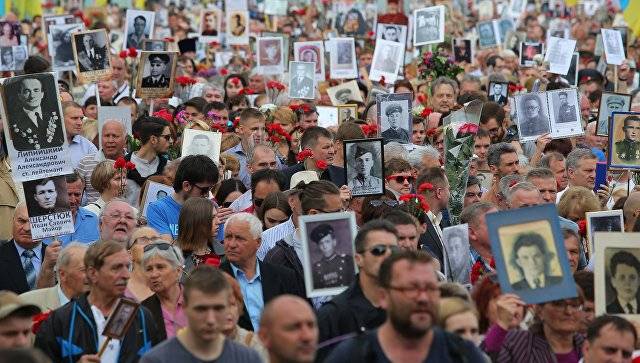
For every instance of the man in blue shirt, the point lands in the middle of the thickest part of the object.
(79, 146)
(195, 177)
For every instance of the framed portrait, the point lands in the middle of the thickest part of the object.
(10, 34)
(505, 26)
(528, 51)
(121, 318)
(457, 253)
(529, 252)
(27, 131)
(347, 112)
(198, 142)
(152, 192)
(488, 34)
(394, 117)
(48, 20)
(624, 33)
(344, 93)
(48, 207)
(352, 20)
(327, 116)
(610, 102)
(237, 23)
(616, 274)
(270, 59)
(155, 74)
(604, 221)
(210, 25)
(428, 25)
(328, 252)
(392, 32)
(564, 113)
(311, 52)
(302, 81)
(91, 54)
(139, 26)
(463, 50)
(387, 58)
(286, 40)
(533, 119)
(624, 140)
(364, 166)
(60, 47)
(342, 58)
(498, 92)
(12, 58)
(155, 45)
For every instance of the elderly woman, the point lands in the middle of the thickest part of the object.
(137, 288)
(230, 326)
(162, 264)
(109, 182)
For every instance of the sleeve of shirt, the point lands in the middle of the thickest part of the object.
(156, 220)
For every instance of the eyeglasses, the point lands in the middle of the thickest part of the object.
(563, 304)
(203, 190)
(401, 178)
(379, 202)
(379, 250)
(164, 246)
(414, 291)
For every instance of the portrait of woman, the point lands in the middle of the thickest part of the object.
(238, 26)
(9, 35)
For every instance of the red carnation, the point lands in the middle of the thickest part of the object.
(370, 33)
(164, 114)
(38, 319)
(120, 163)
(212, 261)
(224, 71)
(169, 39)
(321, 164)
(133, 52)
(304, 154)
(468, 128)
(582, 227)
(123, 54)
(426, 112)
(235, 81)
(214, 44)
(421, 98)
(432, 132)
(300, 12)
(424, 187)
(129, 165)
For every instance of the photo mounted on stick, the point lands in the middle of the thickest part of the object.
(91, 53)
(609, 103)
(302, 82)
(60, 47)
(155, 74)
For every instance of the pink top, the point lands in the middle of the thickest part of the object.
(174, 321)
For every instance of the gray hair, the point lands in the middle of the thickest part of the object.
(468, 78)
(210, 86)
(255, 225)
(578, 154)
(113, 120)
(173, 255)
(496, 150)
(471, 213)
(114, 200)
(415, 156)
(252, 153)
(545, 161)
(65, 256)
(541, 173)
(442, 80)
(395, 150)
(506, 182)
(498, 78)
(525, 185)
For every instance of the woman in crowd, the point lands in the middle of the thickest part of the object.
(137, 285)
(576, 201)
(232, 85)
(458, 316)
(486, 294)
(229, 191)
(287, 119)
(197, 227)
(162, 264)
(109, 182)
(274, 210)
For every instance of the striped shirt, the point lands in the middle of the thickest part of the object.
(273, 235)
(85, 168)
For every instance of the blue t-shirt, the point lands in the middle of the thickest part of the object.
(163, 214)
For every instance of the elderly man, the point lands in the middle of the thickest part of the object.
(81, 322)
(118, 75)
(479, 245)
(117, 221)
(112, 142)
(72, 282)
(288, 330)
(260, 281)
(523, 194)
(444, 91)
(581, 170)
(15, 321)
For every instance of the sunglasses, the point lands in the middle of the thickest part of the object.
(401, 178)
(379, 202)
(164, 246)
(379, 250)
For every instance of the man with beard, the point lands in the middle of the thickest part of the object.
(333, 269)
(492, 121)
(410, 296)
(363, 182)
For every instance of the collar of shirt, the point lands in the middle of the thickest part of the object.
(37, 249)
(435, 219)
(32, 114)
(633, 303)
(61, 296)
(540, 278)
(237, 150)
(238, 272)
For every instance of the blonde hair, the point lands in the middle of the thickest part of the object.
(102, 175)
(198, 123)
(229, 140)
(284, 116)
(579, 200)
(450, 306)
(230, 163)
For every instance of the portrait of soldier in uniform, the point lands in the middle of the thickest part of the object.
(362, 160)
(157, 77)
(136, 37)
(609, 103)
(395, 131)
(531, 258)
(343, 95)
(333, 269)
(566, 111)
(628, 149)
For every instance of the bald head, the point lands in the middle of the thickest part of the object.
(631, 210)
(113, 139)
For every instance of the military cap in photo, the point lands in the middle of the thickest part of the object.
(358, 150)
(393, 108)
(343, 92)
(615, 100)
(321, 232)
(164, 58)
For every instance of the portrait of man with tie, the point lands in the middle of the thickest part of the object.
(159, 74)
(624, 278)
(91, 51)
(498, 92)
(34, 118)
(532, 259)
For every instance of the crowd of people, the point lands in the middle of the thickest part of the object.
(215, 265)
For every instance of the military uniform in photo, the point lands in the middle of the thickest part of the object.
(566, 113)
(397, 134)
(334, 271)
(628, 150)
(92, 59)
(159, 82)
(365, 183)
(302, 86)
(534, 126)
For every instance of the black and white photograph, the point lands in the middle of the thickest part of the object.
(155, 74)
(48, 207)
(347, 112)
(210, 21)
(558, 52)
(610, 102)
(275, 7)
(60, 47)
(387, 58)
(198, 142)
(392, 32)
(364, 166)
(394, 116)
(505, 25)
(617, 274)
(488, 35)
(311, 52)
(138, 28)
(49, 20)
(328, 252)
(530, 257)
(91, 52)
(9, 33)
(604, 221)
(344, 93)
(152, 192)
(352, 21)
(122, 316)
(624, 33)
(327, 116)
(12, 58)
(270, 55)
(624, 140)
(457, 252)
(564, 113)
(462, 50)
(499, 92)
(533, 120)
(528, 51)
(302, 82)
(428, 25)
(342, 57)
(237, 26)
(155, 45)
(613, 47)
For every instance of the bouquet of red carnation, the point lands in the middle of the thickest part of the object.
(123, 166)
(370, 130)
(434, 65)
(479, 269)
(277, 134)
(306, 154)
(416, 205)
(274, 89)
(185, 83)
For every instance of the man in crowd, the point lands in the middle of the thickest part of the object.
(434, 185)
(407, 228)
(523, 194)
(263, 183)
(581, 170)
(79, 146)
(445, 92)
(610, 338)
(251, 130)
(502, 160)
(479, 245)
(492, 119)
(555, 162)
(117, 221)
(545, 181)
(15, 321)
(473, 194)
(481, 142)
(398, 176)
